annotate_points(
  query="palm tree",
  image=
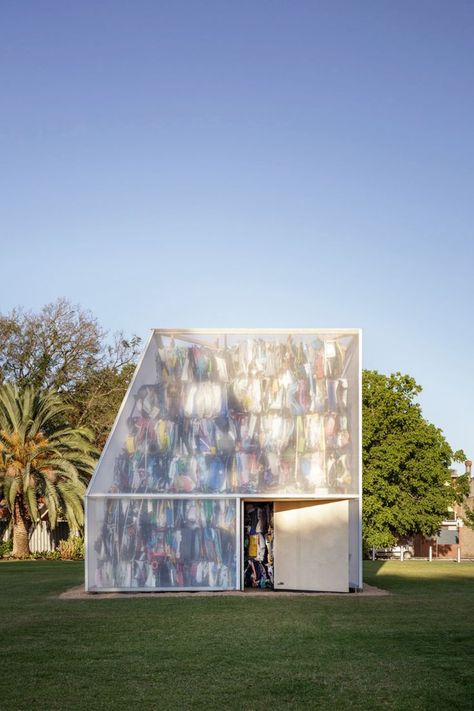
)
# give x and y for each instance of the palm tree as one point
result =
(43, 462)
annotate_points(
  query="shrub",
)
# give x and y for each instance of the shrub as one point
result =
(72, 548)
(6, 548)
(46, 555)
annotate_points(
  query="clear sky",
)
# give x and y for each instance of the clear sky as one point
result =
(249, 164)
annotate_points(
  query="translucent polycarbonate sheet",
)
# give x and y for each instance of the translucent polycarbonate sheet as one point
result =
(104, 480)
(273, 414)
(161, 544)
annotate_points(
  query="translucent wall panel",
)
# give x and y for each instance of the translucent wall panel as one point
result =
(104, 478)
(161, 544)
(246, 414)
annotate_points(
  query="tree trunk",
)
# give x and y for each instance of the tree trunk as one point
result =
(21, 529)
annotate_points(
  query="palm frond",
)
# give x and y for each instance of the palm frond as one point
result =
(11, 488)
(51, 501)
(10, 413)
(32, 504)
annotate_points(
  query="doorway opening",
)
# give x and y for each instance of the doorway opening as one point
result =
(258, 544)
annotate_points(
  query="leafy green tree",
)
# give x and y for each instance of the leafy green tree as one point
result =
(407, 487)
(96, 398)
(42, 464)
(468, 515)
(63, 348)
(49, 349)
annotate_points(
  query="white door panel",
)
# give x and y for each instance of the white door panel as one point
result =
(311, 550)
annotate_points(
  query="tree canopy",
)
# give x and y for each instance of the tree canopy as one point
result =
(63, 348)
(407, 483)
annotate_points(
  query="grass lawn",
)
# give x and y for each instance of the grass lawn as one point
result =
(411, 650)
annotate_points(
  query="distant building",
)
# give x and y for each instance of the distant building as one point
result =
(453, 535)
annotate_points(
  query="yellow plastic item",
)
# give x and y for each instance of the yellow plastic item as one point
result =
(130, 444)
(253, 546)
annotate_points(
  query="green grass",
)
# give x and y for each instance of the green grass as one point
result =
(411, 650)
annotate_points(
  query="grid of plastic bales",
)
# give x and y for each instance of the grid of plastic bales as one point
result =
(211, 418)
(162, 544)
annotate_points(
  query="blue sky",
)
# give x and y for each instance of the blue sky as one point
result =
(249, 164)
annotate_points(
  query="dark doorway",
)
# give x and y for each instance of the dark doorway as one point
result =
(258, 544)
